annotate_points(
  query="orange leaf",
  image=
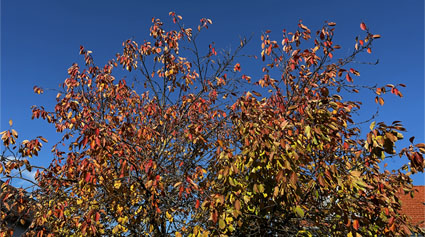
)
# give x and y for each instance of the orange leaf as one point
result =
(303, 26)
(369, 50)
(237, 67)
(381, 101)
(356, 224)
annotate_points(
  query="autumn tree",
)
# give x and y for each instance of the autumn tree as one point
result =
(193, 148)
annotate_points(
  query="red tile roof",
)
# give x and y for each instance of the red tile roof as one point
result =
(415, 207)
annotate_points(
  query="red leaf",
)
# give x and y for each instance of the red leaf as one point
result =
(348, 77)
(214, 216)
(197, 204)
(363, 26)
(391, 221)
(87, 177)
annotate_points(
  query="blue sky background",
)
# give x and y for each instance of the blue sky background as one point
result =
(41, 39)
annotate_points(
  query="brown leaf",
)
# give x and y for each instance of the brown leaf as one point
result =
(237, 204)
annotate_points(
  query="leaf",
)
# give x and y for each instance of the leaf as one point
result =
(87, 179)
(10, 122)
(348, 77)
(372, 125)
(369, 50)
(237, 204)
(177, 184)
(256, 93)
(363, 26)
(356, 224)
(237, 67)
(14, 133)
(293, 180)
(356, 173)
(221, 224)
(117, 184)
(376, 36)
(43, 139)
(303, 26)
(381, 101)
(307, 131)
(299, 211)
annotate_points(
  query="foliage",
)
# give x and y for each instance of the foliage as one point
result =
(193, 149)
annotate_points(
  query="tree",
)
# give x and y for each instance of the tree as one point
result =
(194, 149)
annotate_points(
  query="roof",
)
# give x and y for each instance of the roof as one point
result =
(414, 207)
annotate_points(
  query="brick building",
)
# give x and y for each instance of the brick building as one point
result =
(415, 207)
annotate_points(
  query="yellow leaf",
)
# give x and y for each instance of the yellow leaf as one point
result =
(10, 122)
(178, 234)
(177, 184)
(117, 184)
(372, 125)
(116, 229)
(169, 216)
(356, 173)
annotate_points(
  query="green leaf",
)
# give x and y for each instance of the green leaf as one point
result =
(221, 224)
(299, 211)
(307, 131)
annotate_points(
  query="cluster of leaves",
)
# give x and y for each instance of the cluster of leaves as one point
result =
(194, 154)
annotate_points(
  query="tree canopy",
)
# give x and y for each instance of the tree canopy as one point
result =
(195, 146)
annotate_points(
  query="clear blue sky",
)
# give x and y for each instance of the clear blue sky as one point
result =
(41, 39)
